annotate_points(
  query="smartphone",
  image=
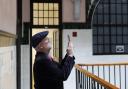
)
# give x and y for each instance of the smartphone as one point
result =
(69, 38)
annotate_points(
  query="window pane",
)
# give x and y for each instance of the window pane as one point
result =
(41, 21)
(40, 6)
(35, 21)
(125, 30)
(35, 6)
(113, 48)
(100, 39)
(106, 30)
(107, 47)
(40, 13)
(45, 21)
(100, 49)
(56, 7)
(106, 8)
(125, 9)
(119, 30)
(119, 19)
(35, 13)
(56, 22)
(56, 14)
(100, 31)
(113, 1)
(95, 31)
(95, 19)
(125, 39)
(113, 39)
(50, 21)
(50, 13)
(106, 39)
(119, 39)
(100, 19)
(119, 1)
(45, 6)
(106, 19)
(100, 9)
(124, 1)
(105, 1)
(50, 6)
(45, 13)
(113, 8)
(113, 19)
(94, 39)
(95, 49)
(118, 8)
(125, 19)
(113, 31)
(126, 48)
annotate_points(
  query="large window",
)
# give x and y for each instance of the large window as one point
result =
(110, 27)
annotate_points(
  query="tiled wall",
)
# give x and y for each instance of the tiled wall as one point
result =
(8, 67)
(7, 61)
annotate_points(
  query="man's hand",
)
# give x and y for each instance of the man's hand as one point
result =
(70, 49)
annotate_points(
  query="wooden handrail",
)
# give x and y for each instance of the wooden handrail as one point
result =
(111, 64)
(96, 78)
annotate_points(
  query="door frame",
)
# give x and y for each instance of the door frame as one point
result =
(59, 27)
(18, 42)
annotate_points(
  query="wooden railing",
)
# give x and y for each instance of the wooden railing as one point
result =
(102, 76)
(87, 80)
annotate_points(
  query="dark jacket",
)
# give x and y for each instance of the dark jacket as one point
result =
(49, 74)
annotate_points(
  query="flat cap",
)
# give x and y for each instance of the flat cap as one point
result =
(37, 38)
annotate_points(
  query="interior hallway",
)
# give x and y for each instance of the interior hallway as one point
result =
(99, 35)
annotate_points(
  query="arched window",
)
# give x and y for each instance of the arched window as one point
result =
(110, 27)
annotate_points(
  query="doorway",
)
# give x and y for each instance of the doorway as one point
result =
(46, 15)
(54, 39)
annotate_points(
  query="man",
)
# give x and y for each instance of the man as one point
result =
(49, 74)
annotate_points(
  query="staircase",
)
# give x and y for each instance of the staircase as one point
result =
(102, 76)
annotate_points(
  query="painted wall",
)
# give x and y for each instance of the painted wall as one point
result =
(83, 53)
(8, 16)
(26, 10)
(8, 67)
(68, 11)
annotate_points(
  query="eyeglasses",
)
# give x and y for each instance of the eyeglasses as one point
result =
(45, 41)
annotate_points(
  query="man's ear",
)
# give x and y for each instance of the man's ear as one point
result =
(37, 48)
(40, 46)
